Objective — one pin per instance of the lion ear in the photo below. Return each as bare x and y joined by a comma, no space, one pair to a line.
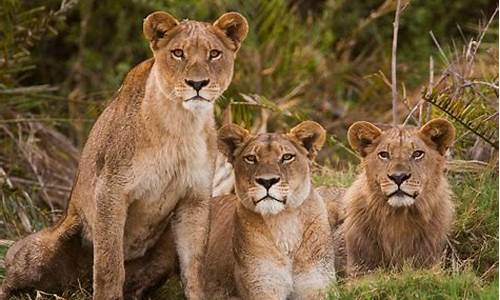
234,26
362,137
230,138
157,25
439,133
310,135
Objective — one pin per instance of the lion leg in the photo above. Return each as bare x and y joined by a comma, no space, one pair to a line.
269,281
312,284
340,252
108,236
332,196
153,268
190,228
47,260
362,255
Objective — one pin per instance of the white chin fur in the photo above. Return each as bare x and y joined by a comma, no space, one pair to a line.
197,105
269,207
400,201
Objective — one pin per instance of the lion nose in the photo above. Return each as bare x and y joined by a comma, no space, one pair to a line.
197,85
267,182
399,178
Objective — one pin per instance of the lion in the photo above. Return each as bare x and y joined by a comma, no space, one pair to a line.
142,189
272,239
399,209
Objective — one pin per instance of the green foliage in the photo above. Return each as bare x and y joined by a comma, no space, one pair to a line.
465,110
312,60
20,29
20,215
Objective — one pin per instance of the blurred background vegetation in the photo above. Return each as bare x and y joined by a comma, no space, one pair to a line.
328,60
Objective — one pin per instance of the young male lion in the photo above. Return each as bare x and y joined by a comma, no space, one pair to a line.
272,240
144,180
399,209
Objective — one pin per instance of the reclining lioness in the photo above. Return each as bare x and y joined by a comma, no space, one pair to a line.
272,240
142,190
399,209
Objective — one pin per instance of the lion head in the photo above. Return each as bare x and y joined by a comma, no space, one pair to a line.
194,60
402,163
272,170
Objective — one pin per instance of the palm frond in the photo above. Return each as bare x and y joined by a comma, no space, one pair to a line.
463,111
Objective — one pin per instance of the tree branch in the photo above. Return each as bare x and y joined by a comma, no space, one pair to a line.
393,65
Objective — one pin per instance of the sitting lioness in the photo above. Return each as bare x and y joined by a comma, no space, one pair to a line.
272,240
399,209
141,195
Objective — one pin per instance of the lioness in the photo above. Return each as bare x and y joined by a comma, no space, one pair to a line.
272,240
399,209
144,180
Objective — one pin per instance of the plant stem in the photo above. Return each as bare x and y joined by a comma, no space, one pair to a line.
393,65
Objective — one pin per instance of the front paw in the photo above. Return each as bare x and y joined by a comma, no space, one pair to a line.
108,294
194,292
4,292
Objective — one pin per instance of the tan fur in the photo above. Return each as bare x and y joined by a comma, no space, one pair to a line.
333,201
141,195
280,250
385,227
332,196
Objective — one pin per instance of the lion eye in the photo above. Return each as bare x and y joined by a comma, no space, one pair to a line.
178,54
215,54
418,155
250,159
287,157
384,155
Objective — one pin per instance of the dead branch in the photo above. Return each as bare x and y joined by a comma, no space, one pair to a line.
29,90
393,65
467,166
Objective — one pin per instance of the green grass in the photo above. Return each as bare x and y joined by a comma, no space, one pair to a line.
475,239
408,284
3,250
325,176
469,271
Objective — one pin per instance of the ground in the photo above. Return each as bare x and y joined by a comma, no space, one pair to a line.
469,271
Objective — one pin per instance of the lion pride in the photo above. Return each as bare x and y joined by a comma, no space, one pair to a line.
141,194
399,209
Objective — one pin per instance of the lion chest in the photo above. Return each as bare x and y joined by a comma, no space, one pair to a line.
286,233
162,177
400,237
